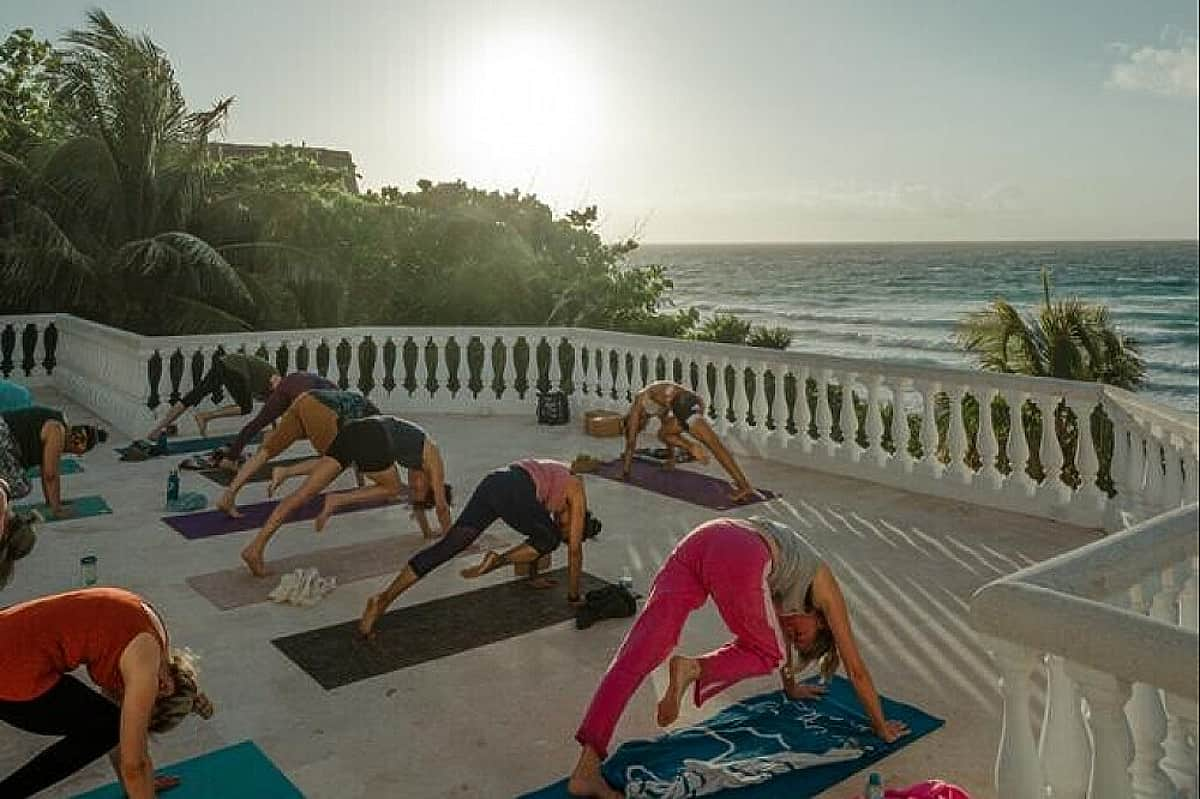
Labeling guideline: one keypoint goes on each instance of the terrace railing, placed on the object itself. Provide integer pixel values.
(1077, 452)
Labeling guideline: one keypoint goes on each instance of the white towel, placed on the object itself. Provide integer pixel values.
(303, 587)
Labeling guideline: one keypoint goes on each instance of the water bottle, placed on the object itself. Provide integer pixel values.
(627, 580)
(87, 570)
(173, 486)
(874, 786)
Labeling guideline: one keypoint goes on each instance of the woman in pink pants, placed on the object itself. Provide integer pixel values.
(779, 601)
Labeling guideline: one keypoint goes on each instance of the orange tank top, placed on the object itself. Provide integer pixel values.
(45, 638)
(551, 479)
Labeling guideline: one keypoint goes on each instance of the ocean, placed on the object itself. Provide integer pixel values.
(900, 302)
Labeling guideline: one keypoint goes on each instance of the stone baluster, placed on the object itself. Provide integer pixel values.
(621, 382)
(848, 420)
(803, 415)
(1063, 746)
(1018, 482)
(902, 460)
(760, 408)
(1191, 480)
(1153, 493)
(604, 378)
(1018, 769)
(1148, 725)
(1112, 745)
(721, 397)
(443, 397)
(956, 439)
(874, 423)
(554, 372)
(741, 402)
(931, 466)
(1118, 472)
(1136, 480)
(652, 358)
(1086, 461)
(509, 345)
(487, 370)
(989, 476)
(1173, 479)
(779, 407)
(824, 414)
(1180, 754)
(1052, 487)
(579, 378)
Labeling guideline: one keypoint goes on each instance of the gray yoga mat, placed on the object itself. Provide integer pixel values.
(235, 588)
(337, 655)
(224, 477)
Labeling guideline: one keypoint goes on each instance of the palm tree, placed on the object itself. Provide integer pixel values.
(99, 221)
(1071, 340)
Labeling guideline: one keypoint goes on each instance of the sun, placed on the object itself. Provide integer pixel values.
(522, 109)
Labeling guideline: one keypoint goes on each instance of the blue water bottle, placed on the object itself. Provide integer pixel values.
(173, 486)
(874, 786)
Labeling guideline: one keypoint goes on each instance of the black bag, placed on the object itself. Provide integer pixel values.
(609, 602)
(552, 408)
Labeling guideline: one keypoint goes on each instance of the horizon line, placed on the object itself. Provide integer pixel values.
(792, 242)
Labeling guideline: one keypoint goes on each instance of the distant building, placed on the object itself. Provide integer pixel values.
(340, 160)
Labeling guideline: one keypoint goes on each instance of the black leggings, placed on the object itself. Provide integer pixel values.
(89, 723)
(215, 378)
(507, 494)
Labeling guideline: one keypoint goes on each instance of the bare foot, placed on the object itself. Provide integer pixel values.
(277, 478)
(542, 583)
(489, 562)
(371, 614)
(202, 424)
(588, 780)
(684, 671)
(744, 494)
(254, 562)
(226, 503)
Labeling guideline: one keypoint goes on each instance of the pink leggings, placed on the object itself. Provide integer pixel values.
(721, 559)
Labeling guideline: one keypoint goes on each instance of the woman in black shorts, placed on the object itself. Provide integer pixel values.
(375, 445)
(542, 499)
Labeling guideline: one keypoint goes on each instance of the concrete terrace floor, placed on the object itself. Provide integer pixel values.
(498, 720)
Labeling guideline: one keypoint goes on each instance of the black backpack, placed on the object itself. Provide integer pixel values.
(552, 408)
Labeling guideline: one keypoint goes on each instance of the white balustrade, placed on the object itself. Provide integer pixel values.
(848, 419)
(1063, 746)
(1148, 725)
(932, 467)
(957, 469)
(900, 432)
(1018, 769)
(989, 476)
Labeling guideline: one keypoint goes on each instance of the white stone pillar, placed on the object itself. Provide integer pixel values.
(848, 420)
(1148, 726)
(874, 423)
(1018, 769)
(989, 476)
(1063, 746)
(1112, 745)
(779, 407)
(930, 465)
(1052, 490)
(956, 440)
(802, 413)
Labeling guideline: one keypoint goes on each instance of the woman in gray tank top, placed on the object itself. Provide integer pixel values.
(780, 601)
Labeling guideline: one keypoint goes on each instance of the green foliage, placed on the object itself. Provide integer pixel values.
(723, 328)
(27, 113)
(1071, 340)
(775, 338)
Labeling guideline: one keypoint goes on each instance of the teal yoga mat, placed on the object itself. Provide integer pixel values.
(240, 771)
(81, 508)
(65, 466)
(185, 446)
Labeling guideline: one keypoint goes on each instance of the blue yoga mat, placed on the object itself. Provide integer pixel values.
(185, 446)
(65, 466)
(240, 771)
(740, 739)
(81, 508)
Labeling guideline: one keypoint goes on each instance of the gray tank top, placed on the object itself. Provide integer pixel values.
(793, 572)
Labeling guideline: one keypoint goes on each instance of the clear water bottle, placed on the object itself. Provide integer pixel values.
(627, 579)
(874, 786)
(87, 570)
(173, 486)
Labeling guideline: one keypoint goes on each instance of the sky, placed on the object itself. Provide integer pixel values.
(697, 121)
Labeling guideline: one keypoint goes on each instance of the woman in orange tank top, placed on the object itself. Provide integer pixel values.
(122, 642)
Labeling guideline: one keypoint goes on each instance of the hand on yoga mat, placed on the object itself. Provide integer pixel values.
(805, 691)
(165, 782)
(893, 730)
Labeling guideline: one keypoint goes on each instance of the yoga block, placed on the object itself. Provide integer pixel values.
(522, 569)
(602, 424)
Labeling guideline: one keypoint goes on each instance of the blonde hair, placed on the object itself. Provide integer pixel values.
(824, 649)
(187, 697)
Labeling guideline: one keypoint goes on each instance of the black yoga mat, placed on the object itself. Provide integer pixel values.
(224, 477)
(337, 655)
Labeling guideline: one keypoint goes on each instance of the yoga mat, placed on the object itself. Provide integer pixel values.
(81, 508)
(743, 743)
(224, 477)
(240, 771)
(184, 446)
(337, 655)
(689, 486)
(235, 588)
(215, 522)
(65, 466)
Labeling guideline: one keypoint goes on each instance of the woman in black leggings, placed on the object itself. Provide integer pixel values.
(147, 686)
(375, 445)
(541, 499)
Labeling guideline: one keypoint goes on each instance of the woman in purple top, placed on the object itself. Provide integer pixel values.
(284, 392)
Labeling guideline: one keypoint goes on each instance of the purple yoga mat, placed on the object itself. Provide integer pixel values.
(215, 522)
(677, 483)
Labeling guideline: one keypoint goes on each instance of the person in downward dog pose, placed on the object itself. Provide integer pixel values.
(245, 377)
(317, 415)
(284, 392)
(780, 601)
(682, 423)
(147, 685)
(36, 437)
(541, 499)
(374, 446)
